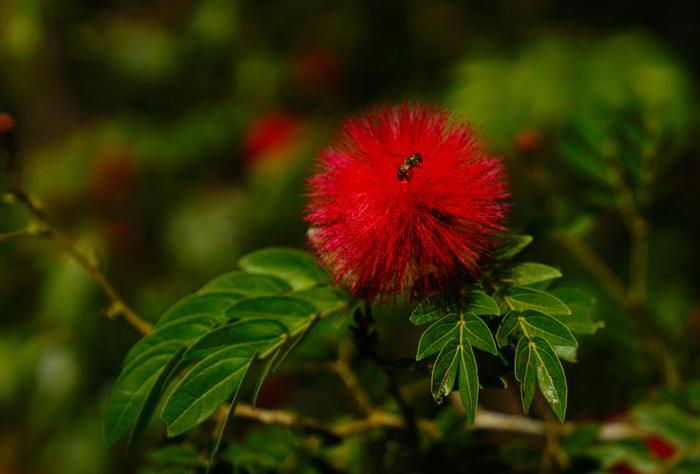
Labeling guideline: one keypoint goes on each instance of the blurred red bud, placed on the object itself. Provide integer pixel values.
(7, 123)
(275, 391)
(317, 71)
(113, 178)
(694, 320)
(122, 236)
(273, 132)
(527, 141)
(660, 448)
(622, 468)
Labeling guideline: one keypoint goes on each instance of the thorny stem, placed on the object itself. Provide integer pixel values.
(44, 226)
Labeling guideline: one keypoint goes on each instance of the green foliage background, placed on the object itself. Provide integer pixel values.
(137, 126)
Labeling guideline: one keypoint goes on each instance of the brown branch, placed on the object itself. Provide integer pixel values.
(485, 420)
(45, 226)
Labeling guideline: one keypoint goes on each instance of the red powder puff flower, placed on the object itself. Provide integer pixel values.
(406, 200)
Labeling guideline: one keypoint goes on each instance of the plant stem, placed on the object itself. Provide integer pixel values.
(595, 266)
(18, 234)
(45, 226)
(342, 367)
(632, 299)
(485, 420)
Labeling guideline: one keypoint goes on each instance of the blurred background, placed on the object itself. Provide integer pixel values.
(172, 136)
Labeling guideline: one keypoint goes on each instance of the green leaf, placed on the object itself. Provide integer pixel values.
(245, 284)
(180, 330)
(469, 328)
(581, 306)
(547, 327)
(523, 299)
(258, 334)
(300, 334)
(520, 362)
(524, 274)
(290, 311)
(508, 327)
(263, 376)
(194, 305)
(430, 310)
(437, 335)
(566, 353)
(483, 305)
(324, 298)
(205, 387)
(550, 376)
(222, 429)
(478, 334)
(152, 398)
(468, 381)
(296, 267)
(445, 370)
(131, 390)
(525, 372)
(512, 246)
(170, 459)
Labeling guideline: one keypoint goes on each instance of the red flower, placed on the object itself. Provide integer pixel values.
(406, 199)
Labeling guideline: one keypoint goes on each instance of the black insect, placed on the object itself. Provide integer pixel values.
(405, 171)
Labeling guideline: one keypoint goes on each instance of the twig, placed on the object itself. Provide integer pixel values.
(595, 266)
(342, 367)
(485, 420)
(45, 226)
(633, 300)
(19, 234)
(552, 432)
(637, 229)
